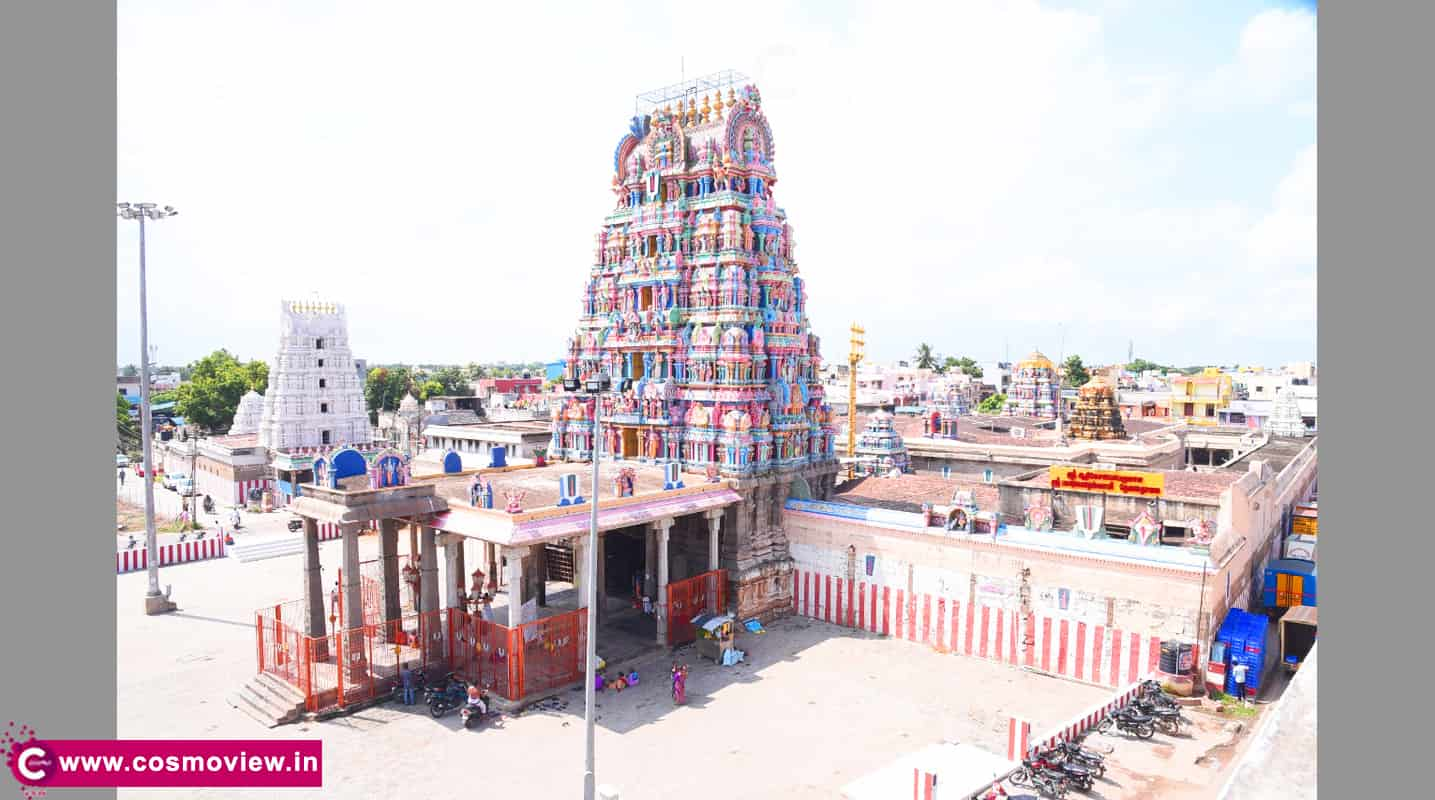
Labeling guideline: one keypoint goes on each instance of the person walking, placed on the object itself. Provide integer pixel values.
(1238, 672)
(122, 479)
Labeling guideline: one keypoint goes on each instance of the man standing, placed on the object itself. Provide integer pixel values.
(1238, 672)
(122, 478)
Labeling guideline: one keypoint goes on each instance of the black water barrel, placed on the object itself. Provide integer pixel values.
(1176, 657)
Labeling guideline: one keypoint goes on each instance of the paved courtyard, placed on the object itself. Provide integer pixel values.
(816, 707)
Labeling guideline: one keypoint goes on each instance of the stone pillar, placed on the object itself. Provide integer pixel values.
(453, 572)
(661, 528)
(580, 566)
(352, 619)
(428, 571)
(314, 622)
(389, 560)
(515, 585)
(650, 564)
(541, 577)
(353, 610)
(714, 525)
(601, 580)
(490, 552)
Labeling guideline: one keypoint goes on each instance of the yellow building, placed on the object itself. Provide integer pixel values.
(1198, 399)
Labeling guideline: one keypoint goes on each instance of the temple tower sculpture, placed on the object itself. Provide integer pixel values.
(1035, 388)
(880, 448)
(1285, 417)
(1097, 415)
(694, 307)
(246, 418)
(314, 397)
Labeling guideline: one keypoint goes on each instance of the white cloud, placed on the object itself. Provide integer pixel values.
(1275, 60)
(1286, 237)
(962, 171)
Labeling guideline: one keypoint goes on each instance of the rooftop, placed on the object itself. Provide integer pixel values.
(907, 492)
(540, 484)
(1180, 484)
(1278, 453)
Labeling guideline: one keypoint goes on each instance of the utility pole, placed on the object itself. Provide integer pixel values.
(155, 602)
(595, 386)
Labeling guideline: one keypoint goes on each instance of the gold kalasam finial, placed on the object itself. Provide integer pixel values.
(731, 98)
(692, 110)
(707, 110)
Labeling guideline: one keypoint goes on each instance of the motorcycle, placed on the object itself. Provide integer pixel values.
(296, 523)
(208, 504)
(1050, 783)
(443, 699)
(1075, 753)
(680, 684)
(1078, 776)
(1151, 691)
(1129, 720)
(1168, 718)
(471, 717)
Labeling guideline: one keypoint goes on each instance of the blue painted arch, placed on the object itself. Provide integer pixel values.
(452, 462)
(348, 462)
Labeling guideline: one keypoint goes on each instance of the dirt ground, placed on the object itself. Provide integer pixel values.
(1190, 766)
(814, 708)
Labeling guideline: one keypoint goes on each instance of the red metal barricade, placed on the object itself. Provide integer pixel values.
(551, 652)
(692, 596)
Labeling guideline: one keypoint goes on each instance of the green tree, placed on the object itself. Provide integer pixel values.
(1076, 374)
(474, 371)
(130, 371)
(386, 387)
(454, 381)
(127, 430)
(926, 359)
(217, 381)
(992, 405)
(1141, 365)
(429, 389)
(164, 397)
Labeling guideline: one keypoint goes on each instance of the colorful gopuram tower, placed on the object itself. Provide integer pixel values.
(880, 448)
(694, 307)
(1034, 388)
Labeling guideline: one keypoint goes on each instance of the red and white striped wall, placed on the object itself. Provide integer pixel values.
(1067, 648)
(1073, 728)
(177, 553)
(924, 784)
(331, 530)
(241, 488)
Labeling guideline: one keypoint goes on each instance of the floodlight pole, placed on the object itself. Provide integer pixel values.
(155, 602)
(590, 582)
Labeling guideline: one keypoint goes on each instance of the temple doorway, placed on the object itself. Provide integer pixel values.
(630, 443)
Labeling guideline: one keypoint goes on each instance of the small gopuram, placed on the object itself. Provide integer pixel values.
(694, 307)
(880, 449)
(1097, 415)
(1285, 417)
(314, 403)
(247, 416)
(1034, 388)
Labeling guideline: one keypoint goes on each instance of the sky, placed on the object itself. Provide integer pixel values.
(1079, 177)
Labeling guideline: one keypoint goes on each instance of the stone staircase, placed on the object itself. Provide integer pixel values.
(268, 700)
(256, 548)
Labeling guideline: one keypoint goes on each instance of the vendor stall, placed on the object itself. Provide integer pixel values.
(716, 635)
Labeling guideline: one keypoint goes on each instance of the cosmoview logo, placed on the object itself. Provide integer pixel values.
(34, 763)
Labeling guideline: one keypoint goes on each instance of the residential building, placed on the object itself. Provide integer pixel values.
(1198, 399)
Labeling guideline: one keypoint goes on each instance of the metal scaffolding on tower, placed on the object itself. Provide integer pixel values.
(647, 101)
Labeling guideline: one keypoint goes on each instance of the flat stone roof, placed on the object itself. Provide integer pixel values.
(540, 484)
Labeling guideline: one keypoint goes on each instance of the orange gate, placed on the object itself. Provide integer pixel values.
(692, 596)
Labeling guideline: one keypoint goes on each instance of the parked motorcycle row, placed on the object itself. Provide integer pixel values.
(1065, 766)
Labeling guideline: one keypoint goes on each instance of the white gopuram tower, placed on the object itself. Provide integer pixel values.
(1285, 415)
(314, 397)
(251, 410)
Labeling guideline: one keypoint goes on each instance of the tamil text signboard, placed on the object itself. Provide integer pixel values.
(1106, 481)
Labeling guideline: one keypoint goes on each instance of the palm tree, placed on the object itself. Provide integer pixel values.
(926, 359)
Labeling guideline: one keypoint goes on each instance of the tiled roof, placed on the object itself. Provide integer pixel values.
(909, 492)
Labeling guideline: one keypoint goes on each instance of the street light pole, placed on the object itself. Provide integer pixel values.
(155, 602)
(595, 387)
